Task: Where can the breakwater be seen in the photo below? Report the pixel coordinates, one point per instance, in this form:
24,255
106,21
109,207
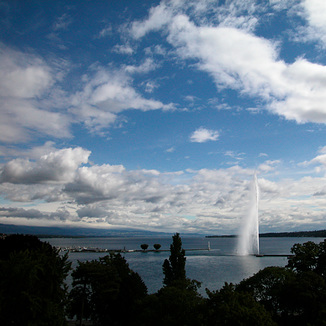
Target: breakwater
99,250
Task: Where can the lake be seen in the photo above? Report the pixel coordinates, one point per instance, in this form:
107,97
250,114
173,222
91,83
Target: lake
212,267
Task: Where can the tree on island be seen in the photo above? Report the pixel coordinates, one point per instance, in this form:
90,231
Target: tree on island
157,246
144,246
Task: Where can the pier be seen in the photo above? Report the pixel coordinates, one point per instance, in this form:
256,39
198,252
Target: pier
102,250
274,255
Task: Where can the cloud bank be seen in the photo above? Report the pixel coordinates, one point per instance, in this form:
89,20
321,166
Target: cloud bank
193,201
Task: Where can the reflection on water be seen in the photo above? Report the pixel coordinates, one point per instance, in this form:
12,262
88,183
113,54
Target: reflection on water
250,264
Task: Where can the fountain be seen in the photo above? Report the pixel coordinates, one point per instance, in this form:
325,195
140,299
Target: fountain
248,243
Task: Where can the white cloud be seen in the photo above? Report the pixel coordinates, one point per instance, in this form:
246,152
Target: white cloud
157,18
26,84
23,76
171,150
203,135
147,66
123,49
109,92
112,195
268,166
58,166
106,31
32,102
315,13
62,22
237,59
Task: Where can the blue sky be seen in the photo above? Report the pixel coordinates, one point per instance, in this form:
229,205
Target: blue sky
156,114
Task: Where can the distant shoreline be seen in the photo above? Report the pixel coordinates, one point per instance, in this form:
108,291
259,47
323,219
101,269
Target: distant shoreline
296,234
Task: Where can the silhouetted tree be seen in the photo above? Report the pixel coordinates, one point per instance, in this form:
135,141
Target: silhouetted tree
32,288
267,287
157,246
309,256
305,257
296,294
174,268
232,308
144,246
106,291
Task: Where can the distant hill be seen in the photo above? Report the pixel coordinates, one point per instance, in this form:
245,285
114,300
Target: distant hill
43,231
297,234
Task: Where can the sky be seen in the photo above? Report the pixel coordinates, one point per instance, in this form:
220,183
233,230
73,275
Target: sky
156,115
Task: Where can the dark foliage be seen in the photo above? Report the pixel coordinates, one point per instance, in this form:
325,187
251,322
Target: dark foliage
32,289
144,246
178,302
157,246
295,295
231,308
174,268
172,305
308,256
106,291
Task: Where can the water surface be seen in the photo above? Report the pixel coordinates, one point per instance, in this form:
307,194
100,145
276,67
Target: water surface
211,267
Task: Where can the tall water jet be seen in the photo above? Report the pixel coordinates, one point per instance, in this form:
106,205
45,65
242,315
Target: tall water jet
248,243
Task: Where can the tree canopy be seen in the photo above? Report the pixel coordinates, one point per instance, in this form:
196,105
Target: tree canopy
103,289
106,291
174,268
32,288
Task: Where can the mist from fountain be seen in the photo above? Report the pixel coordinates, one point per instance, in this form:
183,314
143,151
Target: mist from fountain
248,242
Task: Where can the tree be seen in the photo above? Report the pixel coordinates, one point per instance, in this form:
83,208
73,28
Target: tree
157,246
174,268
303,300
296,294
144,246
230,307
172,305
309,256
178,301
305,257
268,287
104,289
32,288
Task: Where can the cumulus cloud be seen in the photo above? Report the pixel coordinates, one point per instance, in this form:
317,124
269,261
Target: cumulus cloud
25,81
32,102
123,49
236,58
268,166
203,135
159,16
109,92
56,166
315,13
112,195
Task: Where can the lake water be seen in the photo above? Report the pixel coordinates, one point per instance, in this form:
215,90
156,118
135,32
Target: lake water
211,267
